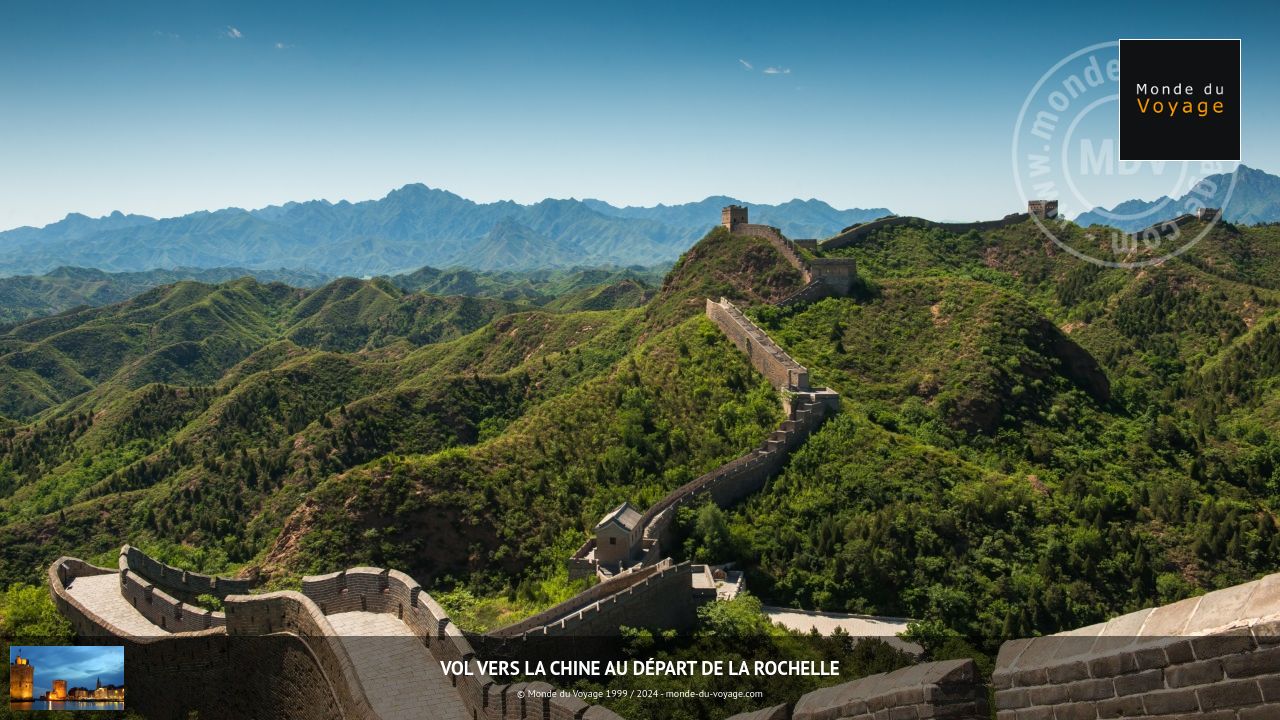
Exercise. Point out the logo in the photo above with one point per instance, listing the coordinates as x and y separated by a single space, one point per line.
1065 150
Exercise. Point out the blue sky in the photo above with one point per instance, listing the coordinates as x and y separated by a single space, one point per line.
80 666
166 108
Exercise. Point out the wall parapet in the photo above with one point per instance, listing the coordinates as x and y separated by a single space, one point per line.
765 355
292 612
178 582
949 689
1217 653
590 596
663 598
833 276
780 242
162 609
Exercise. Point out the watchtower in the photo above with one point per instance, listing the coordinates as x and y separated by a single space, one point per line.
1044 209
618 535
733 215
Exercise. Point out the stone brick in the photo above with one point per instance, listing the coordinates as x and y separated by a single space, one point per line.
1270 687
1076 711
1087 690
1068 672
1168 702
1120 707
1015 698
1150 658
1258 662
1112 665
1237 693
1230 642
1267 632
1258 712
1265 601
1195 673
1048 694
1142 682
1220 608
1031 677
1169 620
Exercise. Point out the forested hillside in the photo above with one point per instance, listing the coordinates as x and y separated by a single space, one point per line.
1027 442
1030 443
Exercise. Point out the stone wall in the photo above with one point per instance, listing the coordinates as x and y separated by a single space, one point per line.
1216 656
827 276
587 597
788 249
84 622
854 233
765 355
951 689
732 482
1161 229
226 678
391 591
206 671
253 616
662 599
728 484
814 291
182 584
838 274
163 610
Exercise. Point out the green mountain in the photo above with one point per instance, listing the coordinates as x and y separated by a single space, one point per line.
1032 443
23 297
1027 442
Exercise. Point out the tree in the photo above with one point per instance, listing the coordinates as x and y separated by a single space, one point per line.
27 614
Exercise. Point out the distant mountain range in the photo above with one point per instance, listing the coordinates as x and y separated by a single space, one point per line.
1255 199
409 228
28 296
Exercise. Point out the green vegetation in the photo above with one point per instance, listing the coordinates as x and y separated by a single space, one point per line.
257 427
28 616
1028 443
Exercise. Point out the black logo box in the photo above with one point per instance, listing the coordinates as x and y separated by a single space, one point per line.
1181 64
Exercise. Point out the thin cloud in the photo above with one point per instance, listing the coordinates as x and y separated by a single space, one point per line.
234 33
746 64
283 46
777 71
166 35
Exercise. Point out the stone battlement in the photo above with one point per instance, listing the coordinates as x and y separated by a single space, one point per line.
1217 655
766 357
728 484
285 653
828 276
177 582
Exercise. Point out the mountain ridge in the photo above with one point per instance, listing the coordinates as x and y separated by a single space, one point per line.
410 227
1254 199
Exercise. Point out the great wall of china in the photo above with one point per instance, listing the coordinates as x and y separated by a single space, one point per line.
367 643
